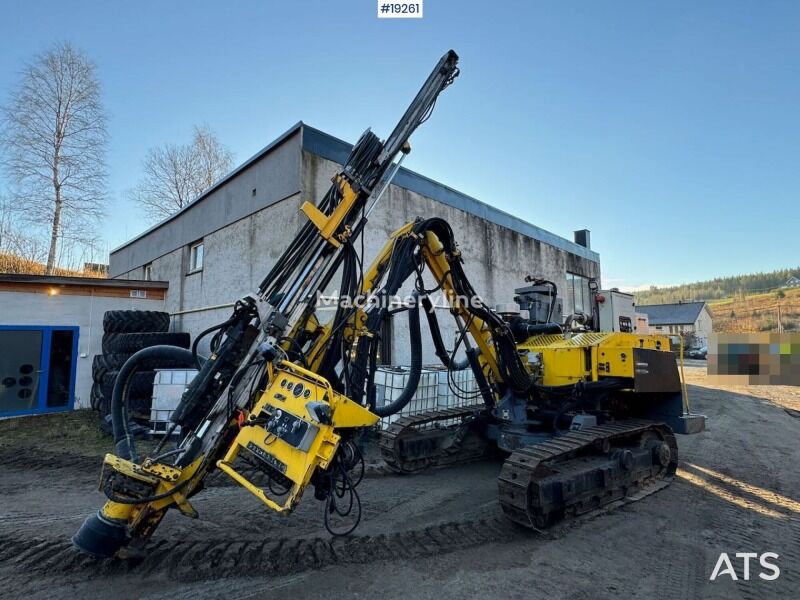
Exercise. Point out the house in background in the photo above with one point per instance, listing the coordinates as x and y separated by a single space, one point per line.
679 318
792 282
642 324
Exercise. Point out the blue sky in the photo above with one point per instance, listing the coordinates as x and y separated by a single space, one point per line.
670 129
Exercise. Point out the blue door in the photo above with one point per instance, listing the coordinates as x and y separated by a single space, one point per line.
37 369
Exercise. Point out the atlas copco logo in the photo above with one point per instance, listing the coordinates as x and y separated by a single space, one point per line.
769 570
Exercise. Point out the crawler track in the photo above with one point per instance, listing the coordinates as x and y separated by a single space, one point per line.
583 471
435 438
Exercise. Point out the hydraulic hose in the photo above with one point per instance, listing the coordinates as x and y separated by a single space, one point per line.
523 329
438 342
204 333
415 338
146 358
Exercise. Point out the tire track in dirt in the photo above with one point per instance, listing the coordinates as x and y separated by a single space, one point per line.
737 531
33 459
215 559
744 522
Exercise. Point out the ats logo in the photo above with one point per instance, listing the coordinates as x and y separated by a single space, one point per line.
769 570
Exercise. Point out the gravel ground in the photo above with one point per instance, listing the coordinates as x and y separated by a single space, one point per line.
440 534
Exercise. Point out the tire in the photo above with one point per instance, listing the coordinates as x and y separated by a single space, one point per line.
104 363
135 321
105 424
141 386
128 343
96 397
109 362
140 408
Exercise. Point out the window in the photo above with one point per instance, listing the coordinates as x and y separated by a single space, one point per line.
147 272
196 257
577 295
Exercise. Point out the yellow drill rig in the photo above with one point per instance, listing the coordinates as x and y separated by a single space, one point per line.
586 417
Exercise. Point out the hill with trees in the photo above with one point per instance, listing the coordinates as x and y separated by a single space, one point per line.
718 288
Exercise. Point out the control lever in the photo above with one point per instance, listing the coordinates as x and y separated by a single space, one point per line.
320 412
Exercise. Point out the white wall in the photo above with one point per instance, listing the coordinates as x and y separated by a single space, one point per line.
23 308
703 326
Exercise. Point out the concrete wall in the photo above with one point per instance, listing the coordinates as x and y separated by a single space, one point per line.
22 308
496 259
236 259
272 180
237 256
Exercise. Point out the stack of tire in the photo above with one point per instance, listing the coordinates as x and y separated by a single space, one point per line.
125 332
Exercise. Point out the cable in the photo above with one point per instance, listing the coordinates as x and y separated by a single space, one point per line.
459 392
339 486
297 347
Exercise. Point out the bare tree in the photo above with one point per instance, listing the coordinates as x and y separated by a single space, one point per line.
54 133
176 174
21 250
213 160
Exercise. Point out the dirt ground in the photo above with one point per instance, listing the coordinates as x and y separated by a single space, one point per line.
437 535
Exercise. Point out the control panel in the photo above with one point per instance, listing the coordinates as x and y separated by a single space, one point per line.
617 312
292 428
294 431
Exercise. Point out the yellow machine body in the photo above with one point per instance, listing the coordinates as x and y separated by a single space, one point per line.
167 482
292 429
588 356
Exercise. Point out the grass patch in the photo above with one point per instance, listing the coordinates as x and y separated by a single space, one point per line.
74 432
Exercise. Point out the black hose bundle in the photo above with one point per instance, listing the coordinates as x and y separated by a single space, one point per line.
444 356
145 359
415 370
514 372
350 288
402 264
362 165
407 259
339 482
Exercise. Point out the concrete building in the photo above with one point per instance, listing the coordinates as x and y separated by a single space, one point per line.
221 245
51 328
679 318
